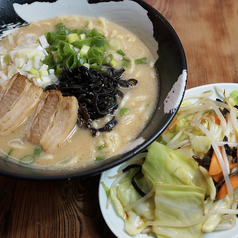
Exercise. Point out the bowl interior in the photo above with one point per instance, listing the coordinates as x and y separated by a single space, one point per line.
171 68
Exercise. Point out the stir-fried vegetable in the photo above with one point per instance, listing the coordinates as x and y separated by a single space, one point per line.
187 182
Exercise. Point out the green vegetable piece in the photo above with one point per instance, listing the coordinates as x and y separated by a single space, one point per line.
95 52
107 190
101 147
65 49
107 59
80 43
37 152
114 44
178 204
60 26
200 143
141 61
57 58
49 60
58 70
9 153
234 95
173 167
82 36
99 42
72 61
94 32
50 37
72 37
113 63
99 158
62 29
123 111
83 52
125 62
27 159
121 52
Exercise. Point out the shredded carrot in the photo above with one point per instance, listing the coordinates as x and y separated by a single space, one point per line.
214 118
223 190
215 167
217 177
171 125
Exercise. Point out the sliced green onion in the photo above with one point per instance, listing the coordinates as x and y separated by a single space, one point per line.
107 59
141 61
65 49
125 62
114 44
113 63
99 42
80 43
9 153
95 63
50 37
121 52
84 50
101 147
60 26
27 159
123 111
72 61
95 52
49 60
58 70
72 37
37 152
99 158
95 32
57 58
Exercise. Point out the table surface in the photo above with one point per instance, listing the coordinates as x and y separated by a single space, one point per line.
70 209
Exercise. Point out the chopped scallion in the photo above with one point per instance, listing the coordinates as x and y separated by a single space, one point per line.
72 37
101 147
123 111
121 52
125 62
9 153
99 158
141 61
29 159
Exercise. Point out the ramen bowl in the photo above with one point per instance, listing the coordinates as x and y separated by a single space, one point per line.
152 29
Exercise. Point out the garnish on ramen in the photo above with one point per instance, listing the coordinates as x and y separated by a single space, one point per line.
73 90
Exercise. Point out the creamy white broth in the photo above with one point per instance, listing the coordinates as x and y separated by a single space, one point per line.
81 148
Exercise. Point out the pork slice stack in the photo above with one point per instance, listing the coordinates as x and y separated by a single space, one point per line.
50 117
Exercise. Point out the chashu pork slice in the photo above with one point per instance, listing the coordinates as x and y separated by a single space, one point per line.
5 86
18 99
63 124
43 117
18 87
21 110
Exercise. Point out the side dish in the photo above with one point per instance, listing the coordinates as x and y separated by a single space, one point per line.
69 89
185 185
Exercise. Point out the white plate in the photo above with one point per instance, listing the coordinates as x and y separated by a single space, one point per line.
116 224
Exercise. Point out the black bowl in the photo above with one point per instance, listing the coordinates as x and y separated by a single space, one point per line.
172 75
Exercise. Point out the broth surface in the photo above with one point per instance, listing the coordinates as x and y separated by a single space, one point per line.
81 148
